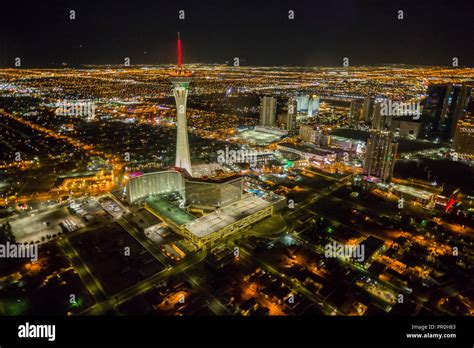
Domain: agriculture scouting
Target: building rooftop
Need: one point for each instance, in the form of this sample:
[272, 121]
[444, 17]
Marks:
[371, 245]
[223, 217]
[258, 137]
[413, 191]
[216, 179]
[308, 148]
[145, 219]
[168, 210]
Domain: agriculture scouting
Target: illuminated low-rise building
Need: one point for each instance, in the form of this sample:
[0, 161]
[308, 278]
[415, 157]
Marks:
[213, 193]
[154, 184]
[261, 135]
[414, 194]
[309, 152]
[231, 219]
[346, 144]
[311, 134]
[405, 128]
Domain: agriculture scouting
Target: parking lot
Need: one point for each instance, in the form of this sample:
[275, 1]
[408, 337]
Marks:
[112, 207]
[44, 226]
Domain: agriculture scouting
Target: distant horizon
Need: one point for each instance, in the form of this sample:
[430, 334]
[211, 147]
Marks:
[383, 65]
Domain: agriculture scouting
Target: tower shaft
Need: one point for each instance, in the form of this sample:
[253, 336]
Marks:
[183, 158]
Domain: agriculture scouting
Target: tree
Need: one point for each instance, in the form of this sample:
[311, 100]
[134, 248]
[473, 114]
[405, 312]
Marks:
[9, 233]
[3, 235]
[6, 233]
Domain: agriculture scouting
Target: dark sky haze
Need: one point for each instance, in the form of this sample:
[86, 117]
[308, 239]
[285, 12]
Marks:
[259, 32]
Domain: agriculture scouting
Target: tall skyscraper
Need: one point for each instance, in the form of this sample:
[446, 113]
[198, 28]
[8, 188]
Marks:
[302, 103]
[268, 106]
[380, 155]
[313, 105]
[461, 107]
[463, 142]
[355, 113]
[380, 122]
[381, 147]
[308, 104]
[444, 106]
[367, 109]
[291, 116]
[180, 79]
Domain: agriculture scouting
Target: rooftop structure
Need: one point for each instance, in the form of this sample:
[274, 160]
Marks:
[154, 183]
[167, 211]
[260, 135]
[309, 152]
[230, 219]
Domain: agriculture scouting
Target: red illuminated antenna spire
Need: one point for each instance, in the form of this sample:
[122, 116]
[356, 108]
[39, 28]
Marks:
[179, 52]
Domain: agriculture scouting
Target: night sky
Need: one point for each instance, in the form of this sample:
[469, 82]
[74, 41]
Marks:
[258, 32]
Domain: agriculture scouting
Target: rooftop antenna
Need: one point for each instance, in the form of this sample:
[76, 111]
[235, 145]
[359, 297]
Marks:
[179, 52]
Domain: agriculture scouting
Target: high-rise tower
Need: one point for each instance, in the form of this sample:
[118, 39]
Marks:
[313, 105]
[367, 109]
[381, 146]
[291, 116]
[380, 155]
[268, 107]
[180, 79]
[444, 106]
[463, 142]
